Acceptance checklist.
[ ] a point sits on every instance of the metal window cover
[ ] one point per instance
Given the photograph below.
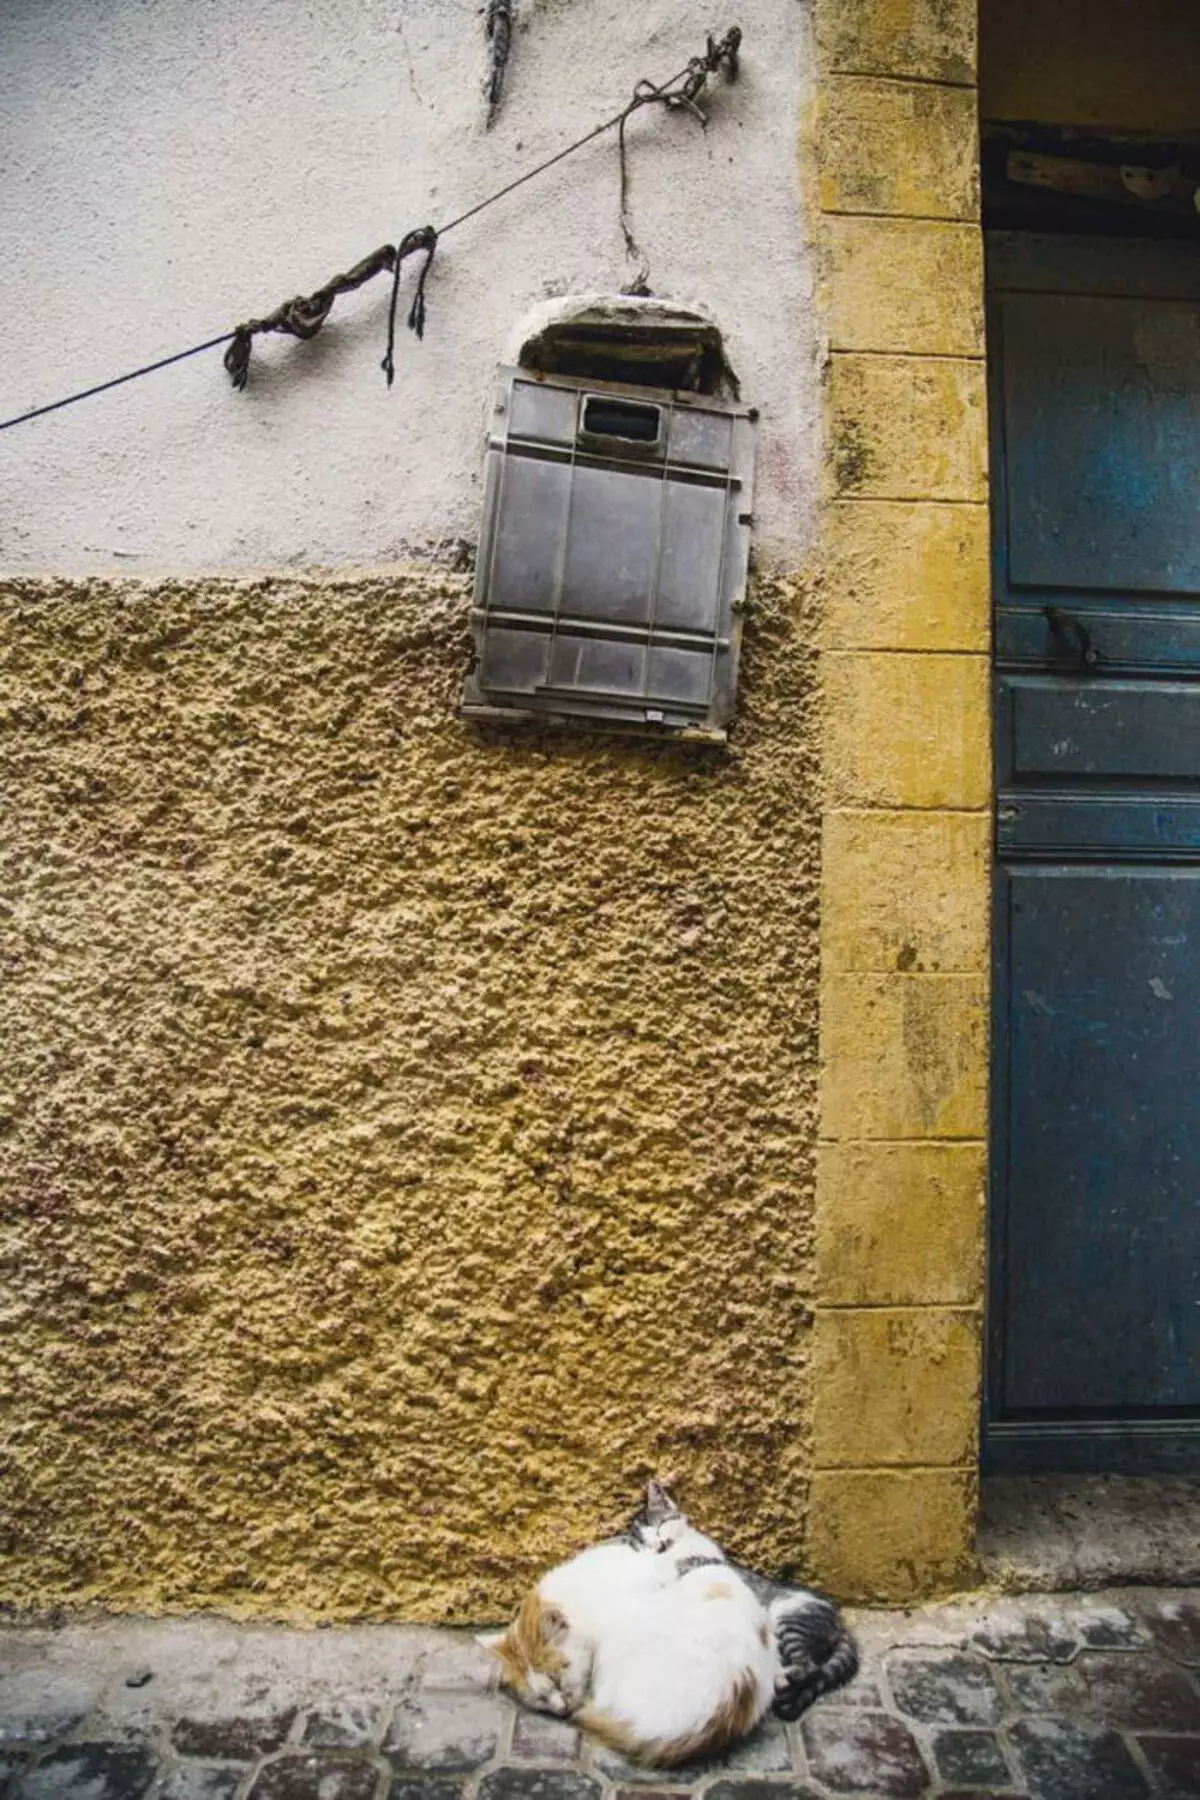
(613, 555)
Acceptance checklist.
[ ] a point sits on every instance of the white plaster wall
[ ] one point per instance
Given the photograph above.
(171, 167)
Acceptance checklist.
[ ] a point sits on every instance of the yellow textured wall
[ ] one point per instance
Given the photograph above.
(406, 1134)
(1131, 65)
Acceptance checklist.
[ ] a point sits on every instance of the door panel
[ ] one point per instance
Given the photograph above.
(1104, 1214)
(1094, 1291)
(1148, 730)
(1100, 399)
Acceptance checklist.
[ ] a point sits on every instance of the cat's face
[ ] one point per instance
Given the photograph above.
(531, 1655)
(658, 1524)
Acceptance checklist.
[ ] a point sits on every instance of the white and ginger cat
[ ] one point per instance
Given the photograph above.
(665, 1650)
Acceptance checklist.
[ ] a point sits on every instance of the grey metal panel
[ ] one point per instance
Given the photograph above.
(1101, 404)
(613, 555)
(1102, 1230)
(526, 574)
(612, 545)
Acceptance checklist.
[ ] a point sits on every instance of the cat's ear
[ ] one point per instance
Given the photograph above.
(659, 1504)
(555, 1625)
(491, 1640)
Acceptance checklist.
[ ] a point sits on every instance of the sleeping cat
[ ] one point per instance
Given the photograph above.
(664, 1649)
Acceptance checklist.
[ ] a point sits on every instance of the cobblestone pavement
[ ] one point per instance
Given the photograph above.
(1067, 1697)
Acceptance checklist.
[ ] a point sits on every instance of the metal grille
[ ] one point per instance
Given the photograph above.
(612, 561)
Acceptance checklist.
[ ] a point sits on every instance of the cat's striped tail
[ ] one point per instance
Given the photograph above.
(816, 1653)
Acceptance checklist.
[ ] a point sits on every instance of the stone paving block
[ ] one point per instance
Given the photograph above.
(863, 1753)
(445, 1731)
(1175, 1625)
(1061, 1760)
(90, 1772)
(1107, 1628)
(972, 1758)
(615, 1767)
(459, 1663)
(1012, 1633)
(1136, 1691)
(536, 1784)
(200, 1781)
(1044, 1687)
(766, 1752)
(240, 1736)
(539, 1738)
(941, 1689)
(758, 1790)
(980, 1794)
(39, 1705)
(1174, 1763)
(425, 1787)
(345, 1725)
(313, 1776)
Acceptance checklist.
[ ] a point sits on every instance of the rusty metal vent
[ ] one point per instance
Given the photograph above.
(612, 559)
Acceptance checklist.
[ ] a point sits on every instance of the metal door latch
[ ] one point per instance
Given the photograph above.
(1071, 637)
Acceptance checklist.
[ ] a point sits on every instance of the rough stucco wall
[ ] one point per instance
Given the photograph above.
(172, 169)
(406, 1133)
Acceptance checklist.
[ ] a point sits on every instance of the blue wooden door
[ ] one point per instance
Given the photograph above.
(1094, 1293)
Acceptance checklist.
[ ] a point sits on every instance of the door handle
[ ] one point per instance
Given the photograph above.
(1071, 637)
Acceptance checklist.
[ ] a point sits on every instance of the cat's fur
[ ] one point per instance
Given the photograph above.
(663, 1649)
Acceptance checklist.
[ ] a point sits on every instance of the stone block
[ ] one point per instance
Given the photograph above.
(758, 1790)
(313, 1776)
(1044, 1687)
(907, 731)
(895, 1387)
(900, 1224)
(904, 1056)
(1174, 1762)
(537, 1784)
(910, 285)
(945, 1688)
(459, 1663)
(892, 1535)
(444, 1731)
(908, 427)
(241, 1736)
(906, 575)
(1174, 1621)
(1061, 1760)
(39, 1705)
(971, 1759)
(344, 1725)
(1137, 1692)
(200, 1781)
(907, 891)
(539, 1738)
(89, 1772)
(863, 1753)
(906, 148)
(933, 40)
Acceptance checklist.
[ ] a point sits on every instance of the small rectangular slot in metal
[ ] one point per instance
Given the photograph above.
(604, 417)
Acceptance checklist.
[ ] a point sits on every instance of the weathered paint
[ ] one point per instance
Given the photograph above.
(172, 170)
(408, 1132)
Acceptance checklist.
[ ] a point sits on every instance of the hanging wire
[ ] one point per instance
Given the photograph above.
(304, 316)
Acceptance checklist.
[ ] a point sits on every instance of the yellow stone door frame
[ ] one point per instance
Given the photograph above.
(903, 562)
